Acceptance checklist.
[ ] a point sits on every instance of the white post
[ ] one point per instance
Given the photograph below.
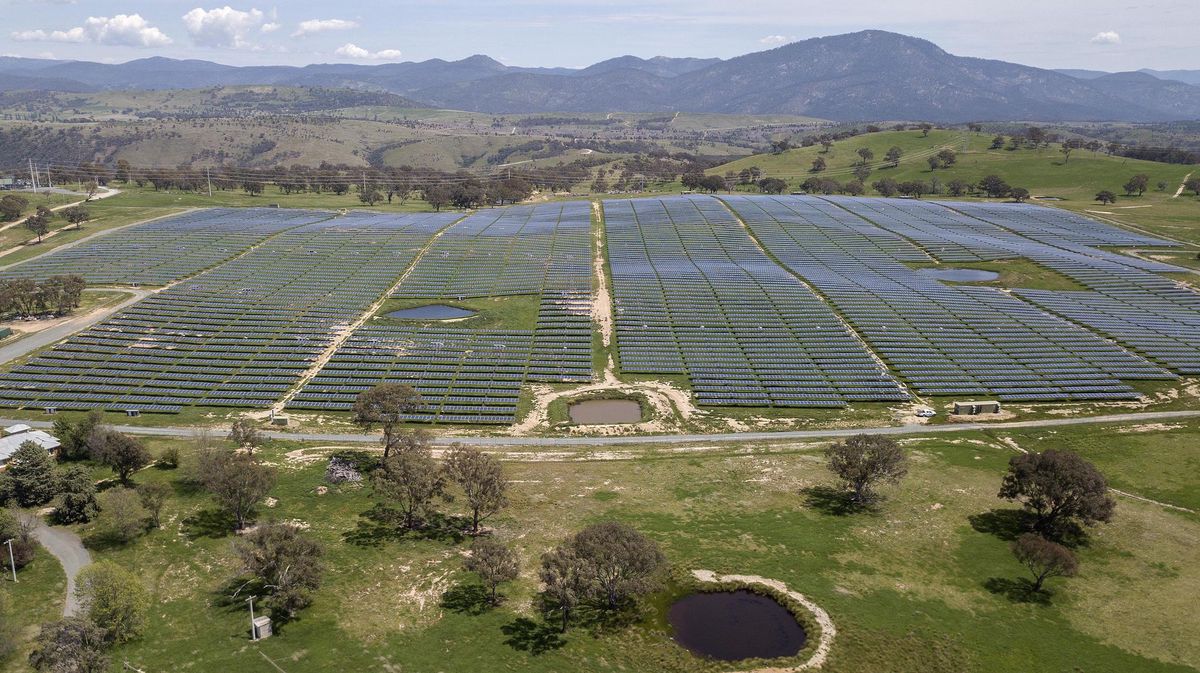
(12, 562)
(208, 174)
(253, 629)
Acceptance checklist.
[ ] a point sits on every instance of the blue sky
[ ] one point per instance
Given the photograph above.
(1100, 34)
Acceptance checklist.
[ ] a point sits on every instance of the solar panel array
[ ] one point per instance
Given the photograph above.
(694, 295)
(239, 335)
(472, 375)
(942, 339)
(166, 250)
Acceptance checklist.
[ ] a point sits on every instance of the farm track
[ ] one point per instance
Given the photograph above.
(665, 440)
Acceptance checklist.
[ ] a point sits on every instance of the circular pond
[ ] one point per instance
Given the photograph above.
(961, 275)
(431, 312)
(732, 625)
(605, 412)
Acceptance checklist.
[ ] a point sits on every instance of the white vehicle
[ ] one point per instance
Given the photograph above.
(926, 413)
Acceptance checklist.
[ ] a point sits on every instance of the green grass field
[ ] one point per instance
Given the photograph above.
(917, 586)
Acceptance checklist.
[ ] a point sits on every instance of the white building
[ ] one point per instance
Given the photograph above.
(16, 435)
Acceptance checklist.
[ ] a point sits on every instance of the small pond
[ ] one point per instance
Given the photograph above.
(431, 312)
(605, 412)
(732, 625)
(961, 275)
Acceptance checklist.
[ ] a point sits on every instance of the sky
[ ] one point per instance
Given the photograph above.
(1108, 35)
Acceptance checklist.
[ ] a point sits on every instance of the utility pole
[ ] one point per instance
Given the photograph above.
(33, 176)
(12, 562)
(208, 174)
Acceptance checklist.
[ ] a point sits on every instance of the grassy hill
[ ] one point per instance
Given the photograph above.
(1043, 171)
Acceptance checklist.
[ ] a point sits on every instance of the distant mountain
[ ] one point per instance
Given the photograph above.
(1081, 74)
(870, 75)
(660, 66)
(1188, 76)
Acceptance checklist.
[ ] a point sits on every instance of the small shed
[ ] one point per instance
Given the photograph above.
(976, 408)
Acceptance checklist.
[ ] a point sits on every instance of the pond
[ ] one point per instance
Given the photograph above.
(733, 625)
(961, 275)
(431, 312)
(605, 412)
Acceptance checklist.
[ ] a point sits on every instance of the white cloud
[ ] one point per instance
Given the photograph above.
(223, 26)
(271, 27)
(351, 50)
(775, 39)
(1106, 37)
(321, 25)
(128, 30)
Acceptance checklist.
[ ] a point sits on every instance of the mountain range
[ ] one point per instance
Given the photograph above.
(869, 75)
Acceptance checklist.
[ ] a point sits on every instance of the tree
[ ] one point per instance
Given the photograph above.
(154, 496)
(412, 480)
(114, 599)
(913, 188)
(893, 156)
(77, 502)
(20, 531)
(1058, 487)
(370, 196)
(861, 173)
(934, 163)
(237, 481)
(1137, 183)
(563, 581)
(1106, 196)
(958, 187)
(252, 187)
(618, 562)
(494, 562)
(70, 645)
(1043, 558)
(1193, 184)
(122, 514)
(386, 405)
(864, 461)
(1019, 194)
(925, 129)
(887, 187)
(947, 157)
(38, 224)
(997, 143)
(245, 434)
(11, 207)
(772, 186)
(826, 145)
(74, 437)
(481, 478)
(31, 470)
(1068, 146)
(818, 164)
(124, 454)
(283, 562)
(76, 215)
(994, 186)
(865, 154)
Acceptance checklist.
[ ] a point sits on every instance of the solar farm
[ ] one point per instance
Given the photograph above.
(791, 303)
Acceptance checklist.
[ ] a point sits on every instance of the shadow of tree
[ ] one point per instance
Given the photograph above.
(833, 501)
(1006, 524)
(381, 524)
(1018, 590)
(526, 635)
(211, 523)
(467, 599)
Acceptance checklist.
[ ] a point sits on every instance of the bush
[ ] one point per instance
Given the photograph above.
(169, 458)
(21, 533)
(114, 600)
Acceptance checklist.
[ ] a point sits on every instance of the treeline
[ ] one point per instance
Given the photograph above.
(28, 298)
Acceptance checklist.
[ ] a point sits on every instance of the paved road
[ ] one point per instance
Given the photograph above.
(70, 552)
(551, 442)
(51, 335)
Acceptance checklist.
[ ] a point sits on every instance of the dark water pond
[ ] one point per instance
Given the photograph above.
(961, 275)
(732, 625)
(431, 312)
(605, 412)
